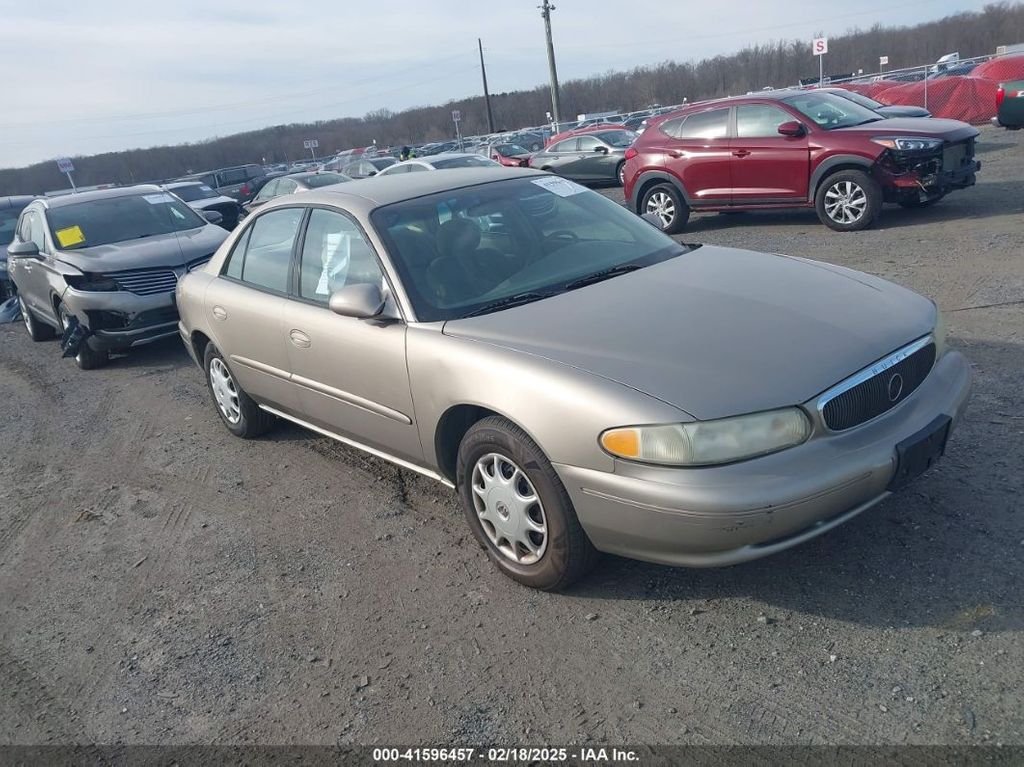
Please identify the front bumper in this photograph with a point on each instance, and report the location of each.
(119, 320)
(708, 517)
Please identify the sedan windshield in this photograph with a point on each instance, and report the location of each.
(831, 112)
(860, 98)
(194, 192)
(509, 150)
(117, 219)
(469, 161)
(491, 246)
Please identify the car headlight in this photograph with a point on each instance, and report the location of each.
(939, 332)
(908, 143)
(91, 281)
(703, 443)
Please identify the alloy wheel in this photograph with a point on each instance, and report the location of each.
(661, 205)
(224, 391)
(509, 509)
(25, 316)
(845, 202)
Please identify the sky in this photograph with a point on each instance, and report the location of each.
(88, 76)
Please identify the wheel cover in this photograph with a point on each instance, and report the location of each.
(663, 206)
(509, 509)
(225, 391)
(845, 202)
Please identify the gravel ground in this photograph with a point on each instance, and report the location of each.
(163, 582)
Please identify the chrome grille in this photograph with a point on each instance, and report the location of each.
(146, 282)
(878, 388)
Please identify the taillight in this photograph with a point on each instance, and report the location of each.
(1000, 95)
(631, 153)
(244, 190)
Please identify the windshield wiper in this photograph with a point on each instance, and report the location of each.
(508, 302)
(604, 274)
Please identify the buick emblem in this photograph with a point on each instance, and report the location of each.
(895, 387)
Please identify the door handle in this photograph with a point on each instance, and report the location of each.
(300, 339)
(220, 313)
(675, 154)
(740, 153)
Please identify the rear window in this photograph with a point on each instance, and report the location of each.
(194, 192)
(617, 138)
(119, 219)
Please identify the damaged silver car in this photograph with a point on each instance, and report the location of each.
(100, 268)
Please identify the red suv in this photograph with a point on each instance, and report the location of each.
(794, 149)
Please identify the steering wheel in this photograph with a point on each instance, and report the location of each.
(563, 234)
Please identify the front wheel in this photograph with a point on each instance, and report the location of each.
(37, 331)
(519, 509)
(665, 202)
(848, 201)
(237, 410)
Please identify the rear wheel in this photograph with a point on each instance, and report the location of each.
(665, 202)
(848, 201)
(620, 173)
(519, 509)
(37, 331)
(237, 410)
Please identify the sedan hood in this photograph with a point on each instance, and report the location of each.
(948, 130)
(174, 249)
(717, 332)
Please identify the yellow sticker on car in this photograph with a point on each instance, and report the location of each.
(72, 235)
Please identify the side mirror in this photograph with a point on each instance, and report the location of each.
(601, 149)
(23, 250)
(791, 128)
(653, 220)
(213, 216)
(359, 301)
(371, 173)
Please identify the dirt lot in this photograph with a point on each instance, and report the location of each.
(164, 582)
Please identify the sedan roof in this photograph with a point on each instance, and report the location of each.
(366, 194)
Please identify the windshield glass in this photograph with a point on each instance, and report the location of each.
(509, 150)
(830, 111)
(324, 179)
(470, 161)
(116, 219)
(194, 192)
(860, 98)
(460, 251)
(617, 138)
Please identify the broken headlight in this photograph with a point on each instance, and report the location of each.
(908, 143)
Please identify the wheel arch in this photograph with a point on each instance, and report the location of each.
(833, 165)
(199, 341)
(649, 179)
(452, 427)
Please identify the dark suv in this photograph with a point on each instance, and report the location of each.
(794, 149)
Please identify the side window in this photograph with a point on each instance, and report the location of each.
(671, 127)
(233, 176)
(266, 258)
(269, 190)
(237, 256)
(33, 229)
(705, 125)
(588, 144)
(287, 186)
(416, 168)
(759, 121)
(334, 254)
(569, 145)
(398, 169)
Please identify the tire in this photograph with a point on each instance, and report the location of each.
(563, 553)
(664, 201)
(86, 358)
(848, 201)
(37, 331)
(918, 204)
(620, 171)
(245, 419)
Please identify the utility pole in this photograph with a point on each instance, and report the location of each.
(545, 11)
(487, 96)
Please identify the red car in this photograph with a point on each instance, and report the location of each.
(794, 149)
(510, 155)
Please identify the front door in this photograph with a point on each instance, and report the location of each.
(349, 374)
(766, 166)
(33, 274)
(246, 303)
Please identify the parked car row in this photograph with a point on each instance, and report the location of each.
(483, 295)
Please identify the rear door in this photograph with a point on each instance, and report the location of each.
(696, 150)
(350, 375)
(766, 166)
(245, 306)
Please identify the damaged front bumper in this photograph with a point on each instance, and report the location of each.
(119, 320)
(912, 176)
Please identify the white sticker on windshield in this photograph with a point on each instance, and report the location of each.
(563, 187)
(156, 199)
